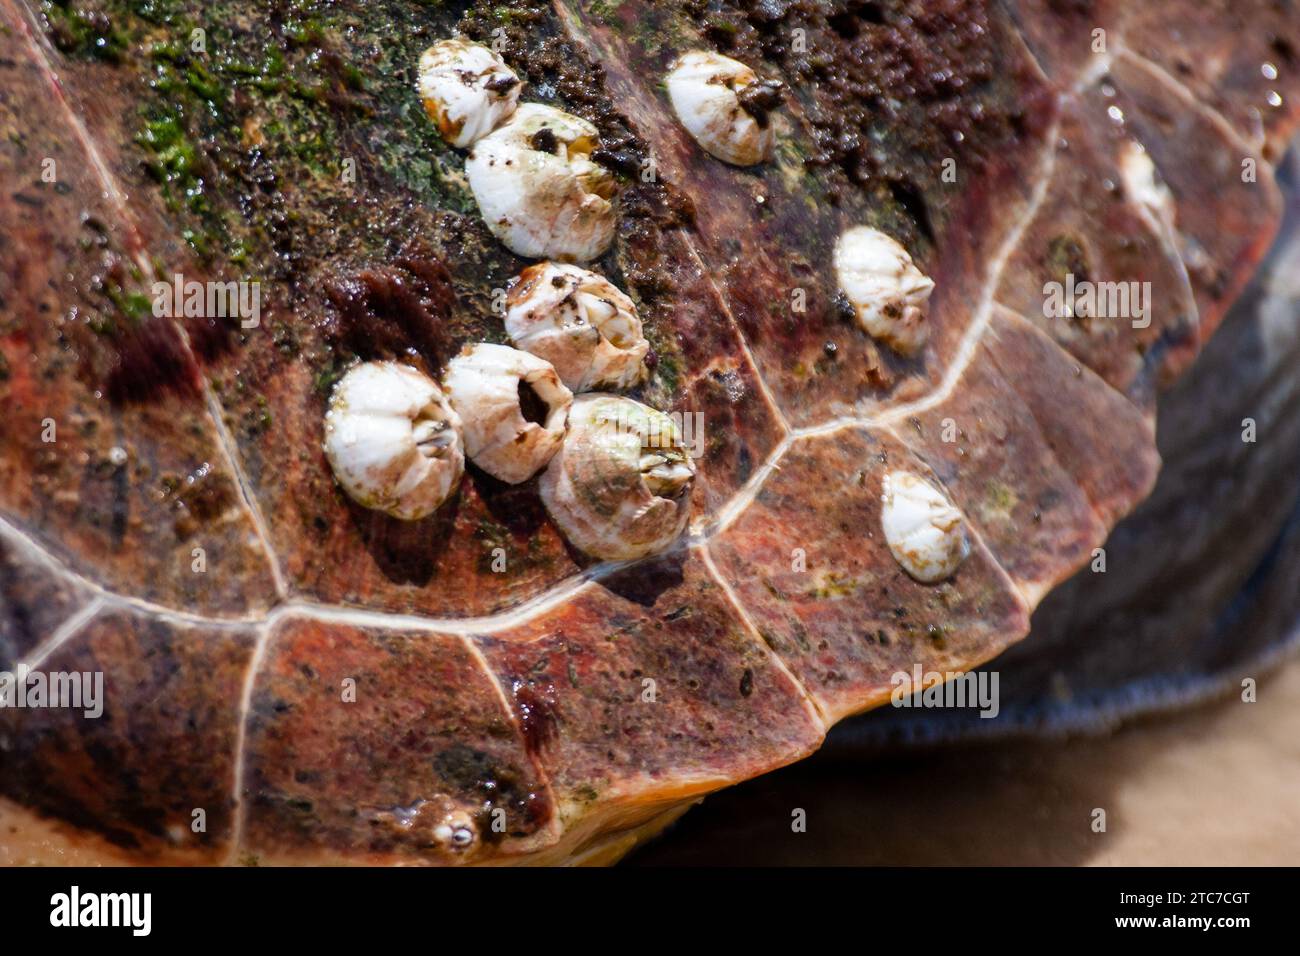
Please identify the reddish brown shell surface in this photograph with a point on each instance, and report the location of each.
(328, 684)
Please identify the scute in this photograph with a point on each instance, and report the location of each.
(35, 601)
(361, 741)
(648, 689)
(1225, 215)
(821, 586)
(120, 485)
(766, 235)
(1088, 228)
(155, 772)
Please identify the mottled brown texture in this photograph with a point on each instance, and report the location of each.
(163, 747)
(86, 364)
(648, 689)
(1223, 219)
(1000, 468)
(823, 589)
(1219, 50)
(1103, 443)
(33, 602)
(1089, 227)
(767, 233)
(1045, 458)
(382, 267)
(424, 733)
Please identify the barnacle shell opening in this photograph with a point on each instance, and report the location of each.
(620, 487)
(581, 323)
(925, 533)
(393, 441)
(457, 831)
(888, 293)
(488, 386)
(538, 189)
(467, 90)
(707, 93)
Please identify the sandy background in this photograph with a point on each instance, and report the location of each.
(1215, 786)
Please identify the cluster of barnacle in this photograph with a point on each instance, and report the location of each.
(617, 479)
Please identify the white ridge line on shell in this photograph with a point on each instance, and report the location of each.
(241, 739)
(1028, 599)
(62, 634)
(1095, 70)
(556, 825)
(316, 610)
(112, 598)
(491, 624)
(117, 199)
(39, 45)
(983, 314)
(1180, 90)
(574, 31)
(810, 702)
(226, 443)
(726, 515)
(729, 512)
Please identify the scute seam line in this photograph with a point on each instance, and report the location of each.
(264, 637)
(555, 825)
(811, 703)
(69, 628)
(38, 43)
(566, 17)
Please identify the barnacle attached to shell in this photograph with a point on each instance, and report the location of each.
(1142, 184)
(538, 188)
(467, 90)
(925, 533)
(620, 487)
(512, 406)
(581, 323)
(393, 441)
(456, 831)
(724, 106)
(888, 293)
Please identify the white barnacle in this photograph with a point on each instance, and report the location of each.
(512, 407)
(724, 106)
(581, 323)
(925, 533)
(1142, 185)
(620, 487)
(538, 188)
(888, 293)
(393, 441)
(456, 831)
(467, 90)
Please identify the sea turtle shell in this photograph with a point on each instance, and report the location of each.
(289, 677)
